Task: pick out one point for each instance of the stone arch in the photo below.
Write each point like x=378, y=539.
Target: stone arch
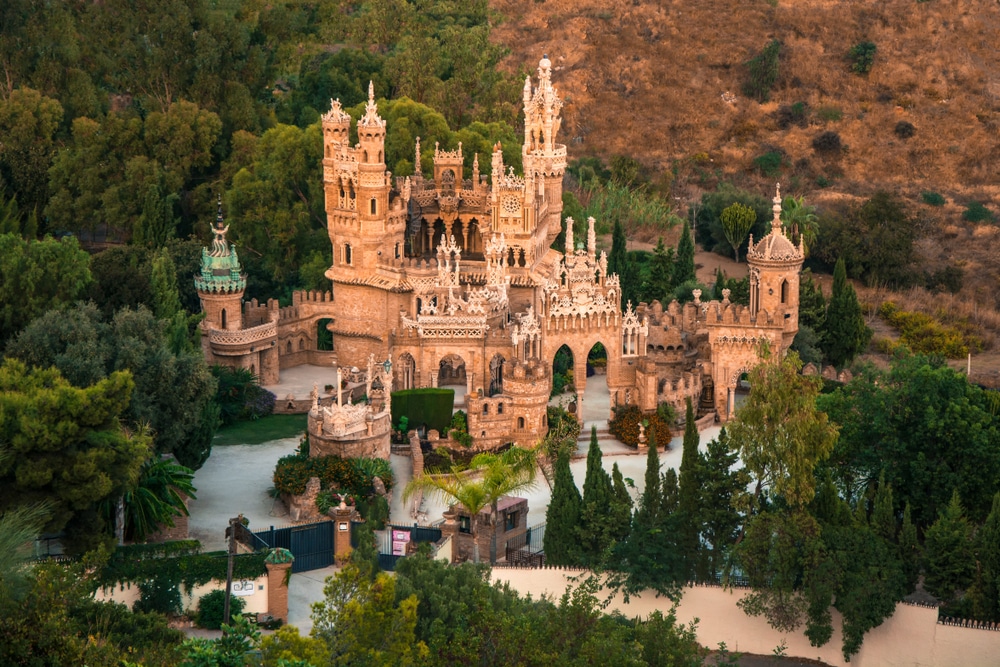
x=324, y=337
x=288, y=348
x=500, y=408
x=451, y=370
x=496, y=374
x=302, y=344
x=405, y=371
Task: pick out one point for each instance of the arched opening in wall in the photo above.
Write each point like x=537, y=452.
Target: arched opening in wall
x=562, y=371
x=451, y=370
x=597, y=360
x=380, y=156
x=404, y=374
x=784, y=291
x=496, y=375
x=397, y=252
x=510, y=256
x=223, y=318
x=324, y=337
x=438, y=235
x=374, y=206
x=350, y=191
x=365, y=155
x=347, y=254
x=522, y=258
x=520, y=423
x=302, y=344
x=499, y=408
x=486, y=410
x=288, y=348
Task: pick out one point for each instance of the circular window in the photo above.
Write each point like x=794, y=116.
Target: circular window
x=511, y=206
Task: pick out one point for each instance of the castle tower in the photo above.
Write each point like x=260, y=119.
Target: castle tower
x=775, y=263
x=221, y=282
x=544, y=160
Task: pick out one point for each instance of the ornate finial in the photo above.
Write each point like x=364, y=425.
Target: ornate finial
x=591, y=237
x=776, y=208
x=219, y=229
x=416, y=158
x=569, y=236
x=371, y=117
x=371, y=92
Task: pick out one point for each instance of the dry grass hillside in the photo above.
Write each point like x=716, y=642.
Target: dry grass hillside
x=650, y=79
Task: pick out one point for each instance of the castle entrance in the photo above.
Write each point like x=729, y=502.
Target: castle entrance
x=579, y=374
x=451, y=371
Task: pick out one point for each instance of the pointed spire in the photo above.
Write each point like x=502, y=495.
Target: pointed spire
x=371, y=92
x=371, y=117
x=416, y=158
x=776, y=209
x=219, y=229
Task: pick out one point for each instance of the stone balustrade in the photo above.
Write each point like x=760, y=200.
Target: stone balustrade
x=243, y=336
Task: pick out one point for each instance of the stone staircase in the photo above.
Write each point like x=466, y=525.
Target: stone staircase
x=609, y=444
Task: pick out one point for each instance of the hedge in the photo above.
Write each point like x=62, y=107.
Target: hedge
x=351, y=475
x=175, y=563
x=430, y=407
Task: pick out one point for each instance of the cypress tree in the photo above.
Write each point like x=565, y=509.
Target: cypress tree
x=883, y=520
x=720, y=284
x=661, y=273
x=618, y=259
x=689, y=492
x=620, y=516
x=909, y=549
x=562, y=517
x=163, y=284
x=595, y=531
x=156, y=223
x=987, y=594
x=669, y=498
x=649, y=505
x=845, y=333
x=684, y=266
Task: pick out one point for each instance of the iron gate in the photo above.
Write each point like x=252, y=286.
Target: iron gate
x=311, y=544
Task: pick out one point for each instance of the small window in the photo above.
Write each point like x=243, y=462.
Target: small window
x=223, y=318
x=397, y=251
x=499, y=408
x=520, y=422
x=464, y=524
x=511, y=521
x=784, y=291
x=486, y=408
x=347, y=253
x=374, y=206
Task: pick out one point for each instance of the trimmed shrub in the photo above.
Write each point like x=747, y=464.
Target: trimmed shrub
x=353, y=476
x=430, y=407
x=932, y=198
x=211, y=607
x=625, y=426
x=862, y=57
x=976, y=212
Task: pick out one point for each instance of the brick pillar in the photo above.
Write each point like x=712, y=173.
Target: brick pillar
x=342, y=532
x=277, y=590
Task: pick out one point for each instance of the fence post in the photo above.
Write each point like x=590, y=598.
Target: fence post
x=278, y=564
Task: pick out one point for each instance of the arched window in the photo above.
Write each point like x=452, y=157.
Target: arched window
x=347, y=253
x=223, y=318
x=374, y=206
x=397, y=251
x=486, y=408
x=520, y=422
x=302, y=345
x=366, y=156
x=288, y=348
x=499, y=408
x=784, y=291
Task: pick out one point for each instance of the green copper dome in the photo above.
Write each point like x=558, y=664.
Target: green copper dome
x=220, y=268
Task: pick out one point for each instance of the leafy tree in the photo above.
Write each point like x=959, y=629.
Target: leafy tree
x=286, y=646
x=86, y=349
x=845, y=333
x=121, y=279
x=562, y=517
x=38, y=277
x=595, y=531
x=862, y=57
x=948, y=553
x=711, y=233
x=737, y=220
x=909, y=549
x=28, y=122
x=928, y=415
x=66, y=446
x=779, y=432
x=19, y=526
x=361, y=622
x=500, y=475
x=684, y=266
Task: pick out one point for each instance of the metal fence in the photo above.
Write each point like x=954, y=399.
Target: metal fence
x=529, y=548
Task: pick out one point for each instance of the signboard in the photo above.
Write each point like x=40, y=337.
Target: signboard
x=400, y=538
x=244, y=588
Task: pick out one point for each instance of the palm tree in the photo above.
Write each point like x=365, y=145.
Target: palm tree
x=801, y=220
x=156, y=497
x=489, y=478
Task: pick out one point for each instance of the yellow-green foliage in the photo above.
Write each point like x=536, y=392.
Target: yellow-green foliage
x=923, y=333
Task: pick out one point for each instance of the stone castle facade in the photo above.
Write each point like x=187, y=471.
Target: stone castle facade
x=452, y=280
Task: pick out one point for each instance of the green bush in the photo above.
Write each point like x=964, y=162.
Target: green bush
x=862, y=57
x=976, y=212
x=459, y=429
x=924, y=334
x=762, y=72
x=932, y=198
x=158, y=595
x=240, y=396
x=353, y=476
x=430, y=407
x=211, y=607
x=905, y=129
x=770, y=163
x=625, y=426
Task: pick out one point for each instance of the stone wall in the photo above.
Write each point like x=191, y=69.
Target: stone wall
x=911, y=637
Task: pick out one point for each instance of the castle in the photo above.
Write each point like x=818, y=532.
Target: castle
x=453, y=281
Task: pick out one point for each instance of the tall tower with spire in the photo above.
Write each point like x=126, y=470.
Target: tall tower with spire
x=221, y=281
x=544, y=159
x=775, y=264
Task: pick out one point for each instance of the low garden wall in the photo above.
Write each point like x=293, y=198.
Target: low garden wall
x=912, y=636
x=253, y=592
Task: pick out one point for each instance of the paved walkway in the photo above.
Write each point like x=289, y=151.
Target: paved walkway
x=299, y=380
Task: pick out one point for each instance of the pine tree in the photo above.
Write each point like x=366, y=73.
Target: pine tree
x=156, y=223
x=948, y=562
x=883, y=520
x=689, y=492
x=684, y=266
x=986, y=600
x=562, y=517
x=661, y=274
x=845, y=334
x=595, y=532
x=722, y=491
